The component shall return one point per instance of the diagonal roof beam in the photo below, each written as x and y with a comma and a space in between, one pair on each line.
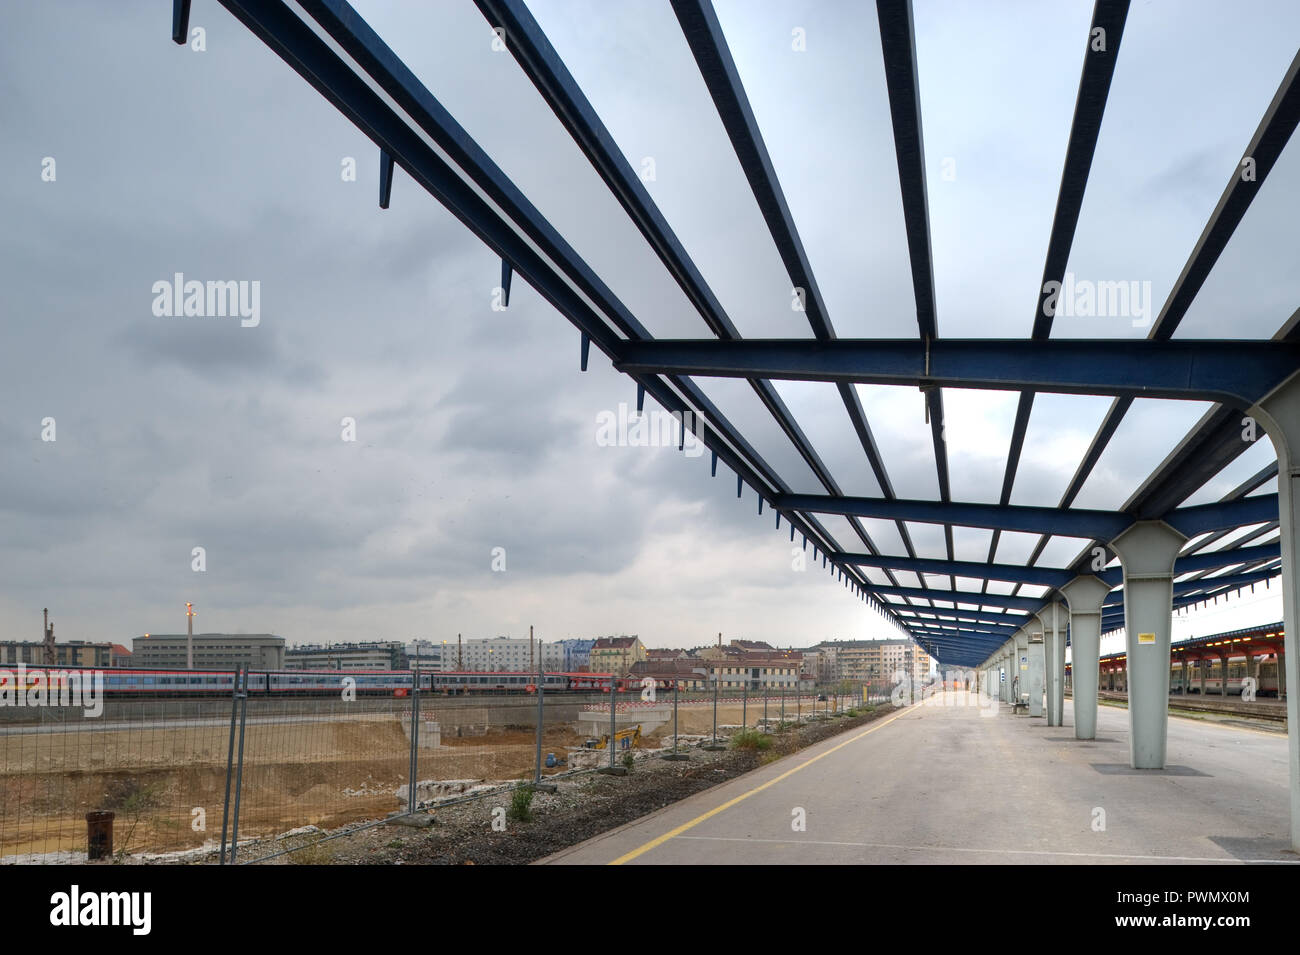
1265, 147
1099, 61
708, 45
898, 49
542, 64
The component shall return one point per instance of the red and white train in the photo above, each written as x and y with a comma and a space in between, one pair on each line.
142, 684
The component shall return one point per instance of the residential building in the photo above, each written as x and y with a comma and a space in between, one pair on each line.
575, 655
757, 670
862, 661
617, 654
503, 654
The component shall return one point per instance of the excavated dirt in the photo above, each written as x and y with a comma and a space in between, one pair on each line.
584, 806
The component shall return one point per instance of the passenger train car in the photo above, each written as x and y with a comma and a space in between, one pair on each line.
1265, 686
140, 684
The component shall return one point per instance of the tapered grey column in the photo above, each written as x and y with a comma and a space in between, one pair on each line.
1084, 596
1279, 415
1147, 551
1020, 667
1034, 678
1054, 661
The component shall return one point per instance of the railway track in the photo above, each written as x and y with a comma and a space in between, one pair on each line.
1271, 710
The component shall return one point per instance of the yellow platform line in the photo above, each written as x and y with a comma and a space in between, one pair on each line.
660, 840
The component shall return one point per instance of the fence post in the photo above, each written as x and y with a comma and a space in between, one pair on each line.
744, 706
230, 761
611, 769
541, 722
239, 768
674, 755
414, 769
717, 680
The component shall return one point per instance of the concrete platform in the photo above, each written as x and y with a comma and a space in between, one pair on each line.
941, 784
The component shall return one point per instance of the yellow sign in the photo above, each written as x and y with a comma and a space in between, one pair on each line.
1146, 638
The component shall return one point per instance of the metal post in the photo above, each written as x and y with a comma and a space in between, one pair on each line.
765, 704
541, 723
230, 762
783, 704
674, 755
239, 768
717, 681
541, 713
744, 706
415, 741
613, 729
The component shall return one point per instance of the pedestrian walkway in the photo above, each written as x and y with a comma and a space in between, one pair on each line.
939, 783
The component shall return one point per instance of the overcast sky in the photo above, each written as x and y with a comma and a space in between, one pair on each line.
474, 428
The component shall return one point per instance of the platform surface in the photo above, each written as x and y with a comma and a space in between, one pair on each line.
941, 784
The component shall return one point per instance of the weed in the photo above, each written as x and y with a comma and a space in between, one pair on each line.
751, 739
521, 803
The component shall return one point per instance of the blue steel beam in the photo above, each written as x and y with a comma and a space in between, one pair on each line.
1208, 561
1265, 147
1099, 59
1051, 576
1233, 372
1207, 586
708, 45
1075, 522
356, 38
949, 624
1044, 576
961, 596
898, 51
942, 614
528, 44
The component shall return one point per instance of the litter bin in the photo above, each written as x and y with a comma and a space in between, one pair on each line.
99, 835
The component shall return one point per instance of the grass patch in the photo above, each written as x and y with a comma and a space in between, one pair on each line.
521, 805
310, 850
751, 739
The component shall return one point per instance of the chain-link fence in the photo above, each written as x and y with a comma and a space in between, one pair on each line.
254, 776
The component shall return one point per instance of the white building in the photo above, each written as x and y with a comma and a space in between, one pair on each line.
497, 654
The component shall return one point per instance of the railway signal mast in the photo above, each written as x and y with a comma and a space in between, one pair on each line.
51, 656
189, 635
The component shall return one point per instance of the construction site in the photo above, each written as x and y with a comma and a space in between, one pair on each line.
164, 768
